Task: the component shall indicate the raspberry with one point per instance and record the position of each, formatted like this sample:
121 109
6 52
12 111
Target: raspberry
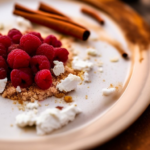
37 34
27 71
61 54
43 79
3 63
15 35
46 50
52 40
18 59
30 43
20 78
39 62
3 73
12 47
5 40
3 51
3 68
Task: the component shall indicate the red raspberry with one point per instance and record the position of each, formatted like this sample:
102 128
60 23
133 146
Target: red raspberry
46 50
30 43
3 63
15 35
61 54
43 79
3 51
18 59
12 47
39 62
5 40
20 78
3 73
37 34
52 40
27 71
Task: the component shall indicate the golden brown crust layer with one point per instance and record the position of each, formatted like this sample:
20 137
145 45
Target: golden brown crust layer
33 92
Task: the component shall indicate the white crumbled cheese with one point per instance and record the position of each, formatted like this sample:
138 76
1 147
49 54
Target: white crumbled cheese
86 77
81 65
69 83
35 111
100 69
48 120
18 89
115 59
92 52
52 119
3 83
34 105
109 91
58 68
26 119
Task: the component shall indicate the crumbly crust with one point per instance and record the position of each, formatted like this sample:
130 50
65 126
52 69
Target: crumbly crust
35 93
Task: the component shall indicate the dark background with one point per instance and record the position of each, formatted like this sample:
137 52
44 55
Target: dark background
137 136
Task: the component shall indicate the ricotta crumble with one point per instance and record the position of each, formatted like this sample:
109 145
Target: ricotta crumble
49 120
81 65
3 83
52 119
34 105
69 83
109 91
58 68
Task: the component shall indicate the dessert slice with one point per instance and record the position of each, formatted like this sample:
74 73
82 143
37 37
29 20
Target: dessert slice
35 67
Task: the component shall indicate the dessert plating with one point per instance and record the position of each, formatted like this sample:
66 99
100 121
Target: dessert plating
35 65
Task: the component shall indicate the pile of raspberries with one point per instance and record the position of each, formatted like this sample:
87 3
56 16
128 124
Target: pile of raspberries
28 58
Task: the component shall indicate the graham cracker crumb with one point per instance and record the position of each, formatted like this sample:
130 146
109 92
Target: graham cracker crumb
111 86
59 95
68 99
21 108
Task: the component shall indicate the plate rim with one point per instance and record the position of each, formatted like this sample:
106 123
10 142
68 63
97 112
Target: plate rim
91 142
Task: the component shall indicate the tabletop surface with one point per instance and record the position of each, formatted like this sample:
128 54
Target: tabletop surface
137 136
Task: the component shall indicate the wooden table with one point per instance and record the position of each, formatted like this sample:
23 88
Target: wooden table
137 136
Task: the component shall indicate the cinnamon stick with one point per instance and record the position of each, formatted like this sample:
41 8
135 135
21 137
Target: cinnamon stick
92 14
25 9
50 10
47 8
58 25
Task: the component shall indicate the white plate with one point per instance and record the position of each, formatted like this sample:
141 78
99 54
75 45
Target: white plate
102 117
